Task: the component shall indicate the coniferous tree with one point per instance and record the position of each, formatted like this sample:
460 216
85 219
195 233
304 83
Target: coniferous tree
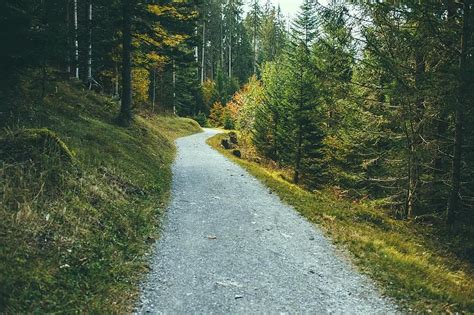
273 133
273 35
243 60
128 7
304 99
465 80
253 26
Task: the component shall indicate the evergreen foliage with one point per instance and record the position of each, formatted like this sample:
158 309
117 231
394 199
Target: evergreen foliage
373 99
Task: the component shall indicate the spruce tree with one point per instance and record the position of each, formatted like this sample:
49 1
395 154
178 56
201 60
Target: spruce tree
253 23
274 127
304 100
273 36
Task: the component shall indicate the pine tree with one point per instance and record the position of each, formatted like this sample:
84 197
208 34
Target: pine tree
243 60
465 79
305 26
274 127
304 99
232 28
334 54
253 26
273 35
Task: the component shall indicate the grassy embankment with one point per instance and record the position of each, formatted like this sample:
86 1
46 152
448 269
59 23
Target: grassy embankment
80 199
411 262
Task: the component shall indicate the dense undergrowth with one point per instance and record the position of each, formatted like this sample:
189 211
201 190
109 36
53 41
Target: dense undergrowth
79 200
420 265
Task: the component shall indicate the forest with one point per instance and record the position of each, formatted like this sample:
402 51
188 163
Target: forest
373 99
369 100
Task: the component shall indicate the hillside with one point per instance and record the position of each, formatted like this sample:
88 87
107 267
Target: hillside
79 200
424 268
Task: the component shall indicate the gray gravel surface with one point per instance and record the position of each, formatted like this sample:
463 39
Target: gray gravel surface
230 246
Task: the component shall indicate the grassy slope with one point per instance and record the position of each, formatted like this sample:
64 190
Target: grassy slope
403 257
73 235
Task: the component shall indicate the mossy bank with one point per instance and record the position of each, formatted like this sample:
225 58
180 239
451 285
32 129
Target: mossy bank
80 201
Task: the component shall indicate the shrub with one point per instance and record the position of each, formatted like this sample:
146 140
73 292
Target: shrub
228 122
216 115
201 119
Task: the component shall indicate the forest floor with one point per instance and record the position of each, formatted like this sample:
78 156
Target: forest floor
425 267
80 200
231 246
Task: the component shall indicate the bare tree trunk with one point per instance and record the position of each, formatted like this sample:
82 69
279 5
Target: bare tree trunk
255 17
174 87
222 38
453 204
76 41
411 181
117 79
125 117
230 61
153 98
68 38
203 64
230 53
413 136
89 52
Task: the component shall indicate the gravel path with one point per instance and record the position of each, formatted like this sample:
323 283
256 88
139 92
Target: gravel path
229 246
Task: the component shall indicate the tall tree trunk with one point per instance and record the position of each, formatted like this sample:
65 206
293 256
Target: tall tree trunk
68 37
222 37
254 43
411 173
117 81
453 203
153 98
299 131
438 189
274 151
125 117
296 177
174 87
203 56
413 134
230 53
76 40
44 78
89 51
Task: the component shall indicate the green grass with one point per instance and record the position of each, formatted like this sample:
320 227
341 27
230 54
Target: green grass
73 232
406 259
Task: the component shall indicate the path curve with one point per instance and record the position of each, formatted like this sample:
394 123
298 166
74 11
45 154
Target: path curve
229 246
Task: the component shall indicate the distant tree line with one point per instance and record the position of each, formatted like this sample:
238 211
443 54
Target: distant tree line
235 46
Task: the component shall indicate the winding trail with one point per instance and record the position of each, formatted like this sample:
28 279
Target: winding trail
229 246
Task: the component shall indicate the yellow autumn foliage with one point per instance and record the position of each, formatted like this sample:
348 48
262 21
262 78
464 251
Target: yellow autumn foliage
140 86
